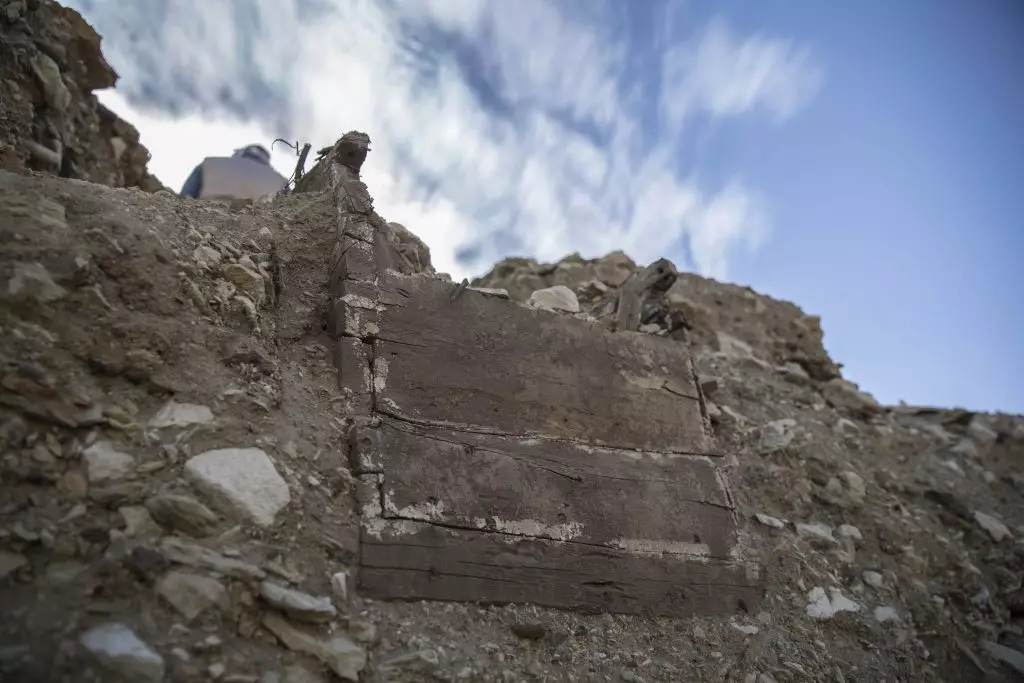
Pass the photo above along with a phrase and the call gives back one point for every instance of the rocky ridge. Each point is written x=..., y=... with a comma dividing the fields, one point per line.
x=50, y=120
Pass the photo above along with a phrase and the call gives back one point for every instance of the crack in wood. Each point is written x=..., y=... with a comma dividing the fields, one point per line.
x=486, y=431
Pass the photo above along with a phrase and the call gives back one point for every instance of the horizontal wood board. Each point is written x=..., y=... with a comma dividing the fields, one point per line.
x=550, y=489
x=417, y=560
x=481, y=363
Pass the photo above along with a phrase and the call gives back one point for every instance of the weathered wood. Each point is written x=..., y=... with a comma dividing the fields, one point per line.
x=482, y=363
x=417, y=560
x=673, y=504
x=352, y=260
x=355, y=377
x=353, y=311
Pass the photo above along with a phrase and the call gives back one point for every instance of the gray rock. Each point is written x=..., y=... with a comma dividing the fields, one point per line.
x=995, y=528
x=731, y=347
x=174, y=414
x=981, y=433
x=103, y=462
x=825, y=606
x=10, y=563
x=339, y=583
x=776, y=436
x=557, y=298
x=885, y=613
x=874, y=579
x=845, y=427
x=1005, y=655
x=849, y=531
x=33, y=282
x=241, y=481
x=247, y=280
x=816, y=532
x=192, y=555
x=117, y=648
x=844, y=395
x=206, y=256
x=770, y=521
x=46, y=70
x=192, y=594
x=966, y=449
x=138, y=523
x=297, y=605
x=344, y=657
x=794, y=372
x=183, y=513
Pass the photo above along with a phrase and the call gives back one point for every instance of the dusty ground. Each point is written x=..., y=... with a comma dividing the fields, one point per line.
x=117, y=302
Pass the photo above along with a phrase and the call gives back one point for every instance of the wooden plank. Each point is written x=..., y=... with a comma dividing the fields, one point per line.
x=673, y=504
x=355, y=378
x=417, y=560
x=487, y=364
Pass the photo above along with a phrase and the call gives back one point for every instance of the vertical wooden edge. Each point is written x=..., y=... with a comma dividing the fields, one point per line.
x=352, y=260
x=353, y=363
x=364, y=447
x=352, y=311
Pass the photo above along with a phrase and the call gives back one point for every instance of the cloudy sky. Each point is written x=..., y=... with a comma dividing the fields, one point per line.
x=863, y=159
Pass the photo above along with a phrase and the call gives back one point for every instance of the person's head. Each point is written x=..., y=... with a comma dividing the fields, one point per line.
x=255, y=152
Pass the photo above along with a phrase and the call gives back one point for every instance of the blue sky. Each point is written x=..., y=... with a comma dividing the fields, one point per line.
x=862, y=159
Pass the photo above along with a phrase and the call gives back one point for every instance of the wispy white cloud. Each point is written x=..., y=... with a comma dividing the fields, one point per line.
x=556, y=156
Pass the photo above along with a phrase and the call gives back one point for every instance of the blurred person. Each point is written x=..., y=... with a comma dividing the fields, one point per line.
x=246, y=174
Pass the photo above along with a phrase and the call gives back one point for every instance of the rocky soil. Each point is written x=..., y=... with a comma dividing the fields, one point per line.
x=177, y=504
x=50, y=64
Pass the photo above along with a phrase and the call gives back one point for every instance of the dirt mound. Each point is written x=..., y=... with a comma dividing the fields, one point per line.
x=50, y=64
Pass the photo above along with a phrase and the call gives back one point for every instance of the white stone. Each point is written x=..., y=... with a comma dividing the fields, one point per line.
x=854, y=484
x=995, y=528
x=297, y=605
x=344, y=657
x=181, y=415
x=192, y=594
x=339, y=582
x=206, y=256
x=746, y=629
x=849, y=531
x=1008, y=656
x=841, y=603
x=825, y=606
x=118, y=648
x=953, y=466
x=815, y=531
x=557, y=298
x=138, y=523
x=103, y=462
x=770, y=521
x=845, y=427
x=818, y=604
x=885, y=613
x=874, y=579
x=776, y=435
x=241, y=481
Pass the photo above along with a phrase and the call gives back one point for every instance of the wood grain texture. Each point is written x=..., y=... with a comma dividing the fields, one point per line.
x=417, y=560
x=485, y=364
x=550, y=489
